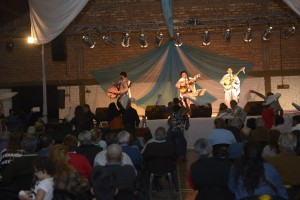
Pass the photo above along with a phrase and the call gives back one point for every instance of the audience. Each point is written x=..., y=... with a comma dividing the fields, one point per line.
x=280, y=126
x=260, y=134
x=237, y=111
x=97, y=138
x=296, y=123
x=219, y=135
x=224, y=112
x=272, y=148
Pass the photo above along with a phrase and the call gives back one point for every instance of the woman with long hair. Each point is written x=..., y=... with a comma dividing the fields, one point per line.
x=252, y=176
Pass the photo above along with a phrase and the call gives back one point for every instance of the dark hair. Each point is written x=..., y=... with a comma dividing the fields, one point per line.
x=223, y=106
x=123, y=74
x=250, y=167
x=296, y=118
x=104, y=184
x=251, y=123
x=273, y=140
x=182, y=72
x=44, y=164
x=279, y=120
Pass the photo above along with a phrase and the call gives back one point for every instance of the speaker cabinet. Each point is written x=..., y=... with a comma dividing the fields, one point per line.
x=101, y=114
x=58, y=49
x=200, y=111
x=253, y=108
x=61, y=99
x=156, y=112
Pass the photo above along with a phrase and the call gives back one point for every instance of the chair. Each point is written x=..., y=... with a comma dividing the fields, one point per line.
x=220, y=150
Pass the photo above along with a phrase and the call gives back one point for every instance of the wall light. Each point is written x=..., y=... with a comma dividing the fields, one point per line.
x=227, y=35
x=177, y=40
x=206, y=38
x=143, y=40
x=158, y=39
x=288, y=31
x=10, y=44
x=126, y=40
x=108, y=39
x=30, y=40
x=267, y=33
x=248, y=35
x=88, y=41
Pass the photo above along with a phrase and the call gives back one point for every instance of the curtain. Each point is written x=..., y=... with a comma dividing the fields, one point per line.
x=294, y=4
x=50, y=17
x=168, y=15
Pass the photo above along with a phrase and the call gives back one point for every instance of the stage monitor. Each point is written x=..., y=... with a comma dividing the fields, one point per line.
x=156, y=112
x=253, y=108
x=200, y=111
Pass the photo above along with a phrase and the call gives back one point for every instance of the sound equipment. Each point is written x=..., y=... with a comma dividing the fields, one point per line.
x=253, y=108
x=58, y=49
x=200, y=111
x=156, y=112
x=101, y=114
x=61, y=98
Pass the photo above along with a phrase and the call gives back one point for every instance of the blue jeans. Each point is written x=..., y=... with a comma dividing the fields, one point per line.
x=181, y=144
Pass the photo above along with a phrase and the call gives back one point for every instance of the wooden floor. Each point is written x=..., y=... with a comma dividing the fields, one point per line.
x=185, y=191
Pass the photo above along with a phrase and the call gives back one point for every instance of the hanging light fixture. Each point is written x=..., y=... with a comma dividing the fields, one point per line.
x=158, y=39
x=267, y=33
x=206, y=38
x=10, y=44
x=177, y=40
x=288, y=31
x=126, y=40
x=227, y=35
x=248, y=35
x=88, y=41
x=143, y=40
x=108, y=39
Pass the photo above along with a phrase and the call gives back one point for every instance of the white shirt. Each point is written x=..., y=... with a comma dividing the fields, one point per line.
x=46, y=185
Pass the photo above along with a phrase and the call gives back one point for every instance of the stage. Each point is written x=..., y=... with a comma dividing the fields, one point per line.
x=201, y=127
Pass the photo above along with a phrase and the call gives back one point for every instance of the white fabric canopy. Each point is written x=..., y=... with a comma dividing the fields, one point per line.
x=50, y=17
x=294, y=4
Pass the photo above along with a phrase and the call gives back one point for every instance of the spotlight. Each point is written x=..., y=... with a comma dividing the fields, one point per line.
x=177, y=40
x=248, y=35
x=143, y=40
x=206, y=38
x=10, y=45
x=109, y=39
x=267, y=33
x=288, y=31
x=227, y=35
x=158, y=39
x=126, y=40
x=88, y=41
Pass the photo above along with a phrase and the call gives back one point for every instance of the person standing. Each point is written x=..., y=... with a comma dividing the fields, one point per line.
x=231, y=84
x=123, y=87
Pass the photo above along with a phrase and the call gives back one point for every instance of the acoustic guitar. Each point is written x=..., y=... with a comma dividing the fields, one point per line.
x=189, y=84
x=228, y=83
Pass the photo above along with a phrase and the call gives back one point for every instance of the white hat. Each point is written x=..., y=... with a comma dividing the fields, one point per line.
x=296, y=106
x=270, y=99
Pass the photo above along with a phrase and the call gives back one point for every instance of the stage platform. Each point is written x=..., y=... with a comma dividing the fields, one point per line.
x=201, y=127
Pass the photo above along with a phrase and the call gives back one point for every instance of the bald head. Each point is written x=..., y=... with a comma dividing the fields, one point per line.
x=114, y=153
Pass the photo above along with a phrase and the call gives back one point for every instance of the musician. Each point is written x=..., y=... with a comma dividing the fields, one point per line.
x=123, y=87
x=231, y=84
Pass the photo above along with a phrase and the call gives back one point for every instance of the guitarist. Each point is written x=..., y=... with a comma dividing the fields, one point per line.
x=123, y=87
x=231, y=84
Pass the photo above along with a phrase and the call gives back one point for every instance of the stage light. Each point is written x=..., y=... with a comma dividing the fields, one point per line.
x=158, y=39
x=30, y=40
x=227, y=35
x=248, y=35
x=177, y=40
x=10, y=44
x=109, y=39
x=288, y=31
x=88, y=41
x=143, y=40
x=267, y=33
x=206, y=38
x=126, y=40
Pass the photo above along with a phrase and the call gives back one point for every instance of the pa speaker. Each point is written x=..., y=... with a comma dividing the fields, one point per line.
x=58, y=49
x=61, y=99
x=253, y=108
x=156, y=112
x=101, y=114
x=200, y=111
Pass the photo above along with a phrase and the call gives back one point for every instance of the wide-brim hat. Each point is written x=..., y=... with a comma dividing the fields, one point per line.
x=270, y=99
x=296, y=106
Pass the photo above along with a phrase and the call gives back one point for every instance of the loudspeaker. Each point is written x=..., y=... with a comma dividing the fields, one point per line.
x=61, y=98
x=200, y=111
x=253, y=108
x=58, y=49
x=101, y=114
x=156, y=112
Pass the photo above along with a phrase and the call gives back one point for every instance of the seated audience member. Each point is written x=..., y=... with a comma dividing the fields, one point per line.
x=19, y=173
x=132, y=151
x=280, y=126
x=130, y=117
x=260, y=134
x=296, y=123
x=125, y=173
x=86, y=147
x=252, y=176
x=4, y=137
x=250, y=126
x=46, y=142
x=13, y=150
x=114, y=118
x=12, y=120
x=224, y=112
x=66, y=177
x=78, y=161
x=237, y=111
x=104, y=185
x=272, y=148
x=209, y=175
x=219, y=135
x=235, y=126
x=44, y=186
x=235, y=150
x=97, y=139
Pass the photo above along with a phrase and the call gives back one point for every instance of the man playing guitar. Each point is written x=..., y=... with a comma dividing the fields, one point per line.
x=231, y=84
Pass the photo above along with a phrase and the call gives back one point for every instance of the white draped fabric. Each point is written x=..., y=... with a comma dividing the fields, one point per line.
x=49, y=18
x=294, y=4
